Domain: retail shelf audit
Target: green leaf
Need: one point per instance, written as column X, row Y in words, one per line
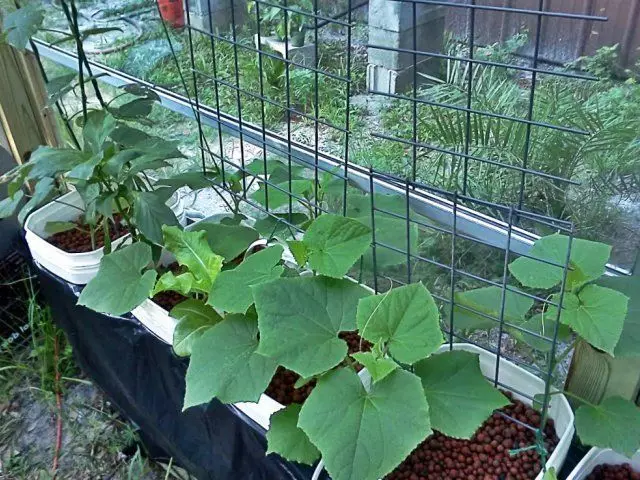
column 151, row 215
column 239, row 373
column 42, row 191
column 300, row 318
column 192, row 251
column 228, row 241
column 84, row 171
column 232, row 292
column 120, row 285
column 49, row 162
column 193, row 180
column 488, row 300
column 97, row 129
column 57, row 227
column 182, row 283
column 377, row 367
column 453, row 383
column 588, row 261
column 596, row 314
column 58, row 86
column 278, row 194
column 615, row 424
column 629, row 344
column 128, row 136
column 194, row 318
column 544, row 325
column 363, row 434
column 287, row 439
column 550, row 474
column 8, row 205
column 299, row 251
column 276, row 224
column 22, row 24
column 138, row 107
column 405, row 317
column 335, row 243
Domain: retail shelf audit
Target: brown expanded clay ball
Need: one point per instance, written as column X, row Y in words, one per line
column 281, row 388
column 79, row 240
column 168, row 299
column 486, row 455
column 614, row 472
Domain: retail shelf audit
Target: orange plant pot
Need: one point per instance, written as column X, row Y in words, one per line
column 172, row 12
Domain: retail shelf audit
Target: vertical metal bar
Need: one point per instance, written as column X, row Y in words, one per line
column 316, row 101
column 414, row 149
column 408, row 228
column 373, row 231
column 237, row 72
column 195, row 86
column 347, row 118
column 452, row 285
column 503, row 295
column 288, row 85
column 216, row 89
column 534, row 78
column 467, row 137
column 262, row 108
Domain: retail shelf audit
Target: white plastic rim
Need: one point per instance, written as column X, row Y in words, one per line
column 78, row 268
column 525, row 382
column 602, row 456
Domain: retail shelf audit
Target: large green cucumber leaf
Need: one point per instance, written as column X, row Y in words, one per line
column 453, row 383
column 225, row 364
column 550, row 474
column 228, row 241
column 488, row 300
column 300, row 318
column 231, row 291
column 615, row 423
column 277, row 194
column 335, row 243
column 277, row 225
column 121, row 284
column 596, row 314
column 588, row 262
column 405, row 317
column 192, row 250
column 194, row 318
column 365, row 434
column 287, row 439
column 629, row 344
column 152, row 215
column 182, row 283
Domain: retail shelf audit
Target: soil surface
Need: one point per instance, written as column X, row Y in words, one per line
column 487, row 455
column 78, row 240
column 614, row 472
column 168, row 299
column 282, row 389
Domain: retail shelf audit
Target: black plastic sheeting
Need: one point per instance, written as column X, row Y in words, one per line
column 145, row 381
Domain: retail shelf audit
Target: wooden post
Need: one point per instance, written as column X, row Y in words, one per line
column 25, row 119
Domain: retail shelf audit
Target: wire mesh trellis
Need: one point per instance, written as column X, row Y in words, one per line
column 461, row 258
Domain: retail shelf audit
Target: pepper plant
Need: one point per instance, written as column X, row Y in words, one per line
column 290, row 24
column 593, row 311
column 363, row 426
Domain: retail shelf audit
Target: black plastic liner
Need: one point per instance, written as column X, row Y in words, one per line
column 145, row 381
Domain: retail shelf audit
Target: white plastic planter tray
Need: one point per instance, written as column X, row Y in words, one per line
column 78, row 268
column 527, row 383
column 601, row 456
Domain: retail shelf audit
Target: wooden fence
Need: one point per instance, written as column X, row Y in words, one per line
column 563, row 40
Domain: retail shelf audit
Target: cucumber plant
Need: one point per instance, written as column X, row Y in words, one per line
column 363, row 427
column 592, row 312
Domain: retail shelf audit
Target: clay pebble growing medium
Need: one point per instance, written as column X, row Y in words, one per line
column 282, row 386
column 170, row 299
column 78, row 240
column 614, row 472
column 486, row 456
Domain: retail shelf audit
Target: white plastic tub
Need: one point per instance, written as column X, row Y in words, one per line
column 520, row 380
column 602, row 456
column 78, row 268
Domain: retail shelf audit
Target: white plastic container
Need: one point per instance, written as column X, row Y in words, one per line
column 527, row 383
column 78, row 268
column 602, row 456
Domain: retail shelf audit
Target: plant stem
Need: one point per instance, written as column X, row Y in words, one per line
column 76, row 33
column 58, row 445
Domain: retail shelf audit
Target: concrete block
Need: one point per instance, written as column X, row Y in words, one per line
column 220, row 12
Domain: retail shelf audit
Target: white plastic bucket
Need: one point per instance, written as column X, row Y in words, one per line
column 78, row 268
column 527, row 383
column 602, row 456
